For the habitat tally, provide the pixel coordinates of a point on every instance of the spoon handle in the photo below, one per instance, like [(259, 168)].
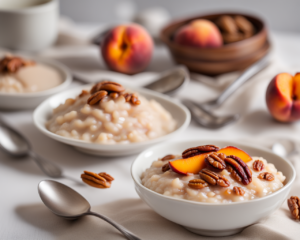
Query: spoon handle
[(123, 230), (49, 168)]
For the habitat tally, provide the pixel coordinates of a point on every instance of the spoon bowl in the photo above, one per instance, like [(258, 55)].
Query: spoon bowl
[(69, 204)]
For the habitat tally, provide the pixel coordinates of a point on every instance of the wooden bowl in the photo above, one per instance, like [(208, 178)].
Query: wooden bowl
[(220, 67), (231, 51)]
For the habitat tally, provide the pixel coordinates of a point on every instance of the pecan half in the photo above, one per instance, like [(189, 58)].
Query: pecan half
[(96, 180), (132, 98), (190, 152), (97, 86), (239, 191), (96, 97), (107, 177), (266, 176), (214, 178), (239, 169), (294, 206), (114, 95), (112, 87), (83, 93), (165, 167), (197, 184), (258, 165), (168, 157), (227, 24), (215, 161), (11, 64), (244, 25)]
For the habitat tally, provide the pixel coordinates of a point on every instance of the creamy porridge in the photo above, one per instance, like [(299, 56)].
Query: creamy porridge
[(169, 183), (23, 76), (110, 115)]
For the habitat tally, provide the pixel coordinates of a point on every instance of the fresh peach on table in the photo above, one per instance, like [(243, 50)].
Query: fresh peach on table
[(127, 48), (200, 33), (196, 163), (283, 97)]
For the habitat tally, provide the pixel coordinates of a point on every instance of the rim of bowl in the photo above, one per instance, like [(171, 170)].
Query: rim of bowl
[(165, 35), (45, 131), (61, 68), (42, 7), (216, 204)]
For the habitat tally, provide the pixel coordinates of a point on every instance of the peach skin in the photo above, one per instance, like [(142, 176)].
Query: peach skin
[(200, 33), (283, 97), (127, 49), (196, 163)]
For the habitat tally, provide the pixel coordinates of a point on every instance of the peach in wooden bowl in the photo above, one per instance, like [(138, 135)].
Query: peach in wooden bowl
[(180, 37)]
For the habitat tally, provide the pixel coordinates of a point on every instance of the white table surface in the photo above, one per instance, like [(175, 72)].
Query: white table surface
[(19, 178)]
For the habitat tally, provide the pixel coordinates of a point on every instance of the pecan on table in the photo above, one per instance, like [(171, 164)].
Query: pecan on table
[(239, 169), (266, 176), (168, 157), (190, 152), (294, 206), (132, 98), (197, 184), (239, 191), (165, 167), (215, 161), (258, 165), (101, 180), (96, 97), (214, 178)]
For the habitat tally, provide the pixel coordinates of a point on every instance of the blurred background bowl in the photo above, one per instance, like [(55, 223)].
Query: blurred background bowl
[(214, 61)]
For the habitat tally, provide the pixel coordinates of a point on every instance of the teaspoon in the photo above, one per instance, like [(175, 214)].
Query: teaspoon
[(16, 145), (285, 148), (69, 204)]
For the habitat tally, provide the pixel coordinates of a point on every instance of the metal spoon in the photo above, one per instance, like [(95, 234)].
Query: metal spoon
[(69, 204), (16, 145), (285, 148), (201, 112)]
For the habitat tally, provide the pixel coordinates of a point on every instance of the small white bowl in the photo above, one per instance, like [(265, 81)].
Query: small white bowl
[(44, 111), (211, 219), (18, 101)]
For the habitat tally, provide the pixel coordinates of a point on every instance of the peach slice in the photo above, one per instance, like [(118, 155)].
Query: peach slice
[(196, 163)]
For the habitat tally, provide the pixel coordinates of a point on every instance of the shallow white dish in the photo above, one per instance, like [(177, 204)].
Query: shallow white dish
[(211, 219), (43, 112), (18, 101)]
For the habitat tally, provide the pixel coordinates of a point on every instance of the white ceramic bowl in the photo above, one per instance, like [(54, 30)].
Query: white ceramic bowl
[(211, 219), (28, 25), (43, 112), (18, 101)]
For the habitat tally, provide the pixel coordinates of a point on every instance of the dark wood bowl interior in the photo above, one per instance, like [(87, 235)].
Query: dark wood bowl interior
[(226, 52)]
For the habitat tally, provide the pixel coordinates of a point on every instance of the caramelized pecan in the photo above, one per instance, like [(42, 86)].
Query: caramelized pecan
[(132, 98), (83, 93), (197, 184), (239, 170), (215, 161), (96, 97), (112, 87), (258, 165), (266, 176), (97, 180), (97, 86), (294, 206), (239, 191), (114, 95), (214, 178), (190, 152), (11, 64), (165, 167), (168, 157)]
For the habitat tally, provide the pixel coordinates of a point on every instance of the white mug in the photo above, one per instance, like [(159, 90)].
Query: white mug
[(28, 25)]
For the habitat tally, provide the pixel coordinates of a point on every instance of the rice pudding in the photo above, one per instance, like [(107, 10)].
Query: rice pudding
[(107, 114), (235, 181), (18, 75)]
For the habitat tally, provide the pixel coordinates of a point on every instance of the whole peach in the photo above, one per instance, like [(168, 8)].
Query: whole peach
[(127, 49), (283, 97), (200, 33)]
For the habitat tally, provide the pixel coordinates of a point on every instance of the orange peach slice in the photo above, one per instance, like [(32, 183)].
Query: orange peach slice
[(196, 163)]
